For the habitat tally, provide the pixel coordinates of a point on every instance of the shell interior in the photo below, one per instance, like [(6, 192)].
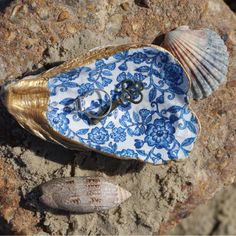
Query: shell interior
[(159, 129)]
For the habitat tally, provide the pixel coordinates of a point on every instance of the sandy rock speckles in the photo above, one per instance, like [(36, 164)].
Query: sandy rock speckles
[(214, 6), (114, 25), (38, 21), (215, 218), (171, 192), (34, 27), (78, 44), (13, 219), (43, 13), (2, 70), (34, 166), (54, 223), (8, 190)]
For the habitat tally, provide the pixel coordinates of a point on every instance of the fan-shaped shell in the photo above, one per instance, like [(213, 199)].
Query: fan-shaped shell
[(203, 55), (82, 194)]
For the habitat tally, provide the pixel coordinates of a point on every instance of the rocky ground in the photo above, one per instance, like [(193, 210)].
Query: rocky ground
[(36, 35), (217, 217)]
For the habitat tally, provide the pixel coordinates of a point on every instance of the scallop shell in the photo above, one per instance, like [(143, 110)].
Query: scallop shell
[(159, 129), (82, 194), (203, 55)]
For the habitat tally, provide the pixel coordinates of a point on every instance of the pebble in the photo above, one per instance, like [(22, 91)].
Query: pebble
[(53, 39), (10, 36), (64, 15), (115, 23), (43, 14), (18, 11), (125, 6), (71, 29), (34, 27)]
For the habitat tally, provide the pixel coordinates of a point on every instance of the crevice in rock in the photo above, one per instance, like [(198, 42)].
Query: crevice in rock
[(231, 4), (4, 4), (5, 228), (215, 228), (142, 3)]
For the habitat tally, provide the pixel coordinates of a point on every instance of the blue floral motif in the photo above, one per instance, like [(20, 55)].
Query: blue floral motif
[(164, 57), (134, 126), (138, 57), (60, 123), (159, 129), (85, 87), (99, 136), (118, 134), (127, 153), (100, 76), (173, 74), (160, 134), (156, 158)]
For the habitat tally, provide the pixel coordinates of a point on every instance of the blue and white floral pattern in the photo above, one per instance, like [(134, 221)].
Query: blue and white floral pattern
[(160, 128)]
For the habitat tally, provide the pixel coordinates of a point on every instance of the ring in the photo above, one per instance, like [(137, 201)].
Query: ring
[(81, 102)]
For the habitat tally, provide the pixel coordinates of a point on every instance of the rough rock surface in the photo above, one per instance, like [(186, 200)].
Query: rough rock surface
[(36, 35), (217, 217)]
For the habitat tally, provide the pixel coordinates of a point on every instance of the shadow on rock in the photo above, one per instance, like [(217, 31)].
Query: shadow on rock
[(31, 202), (5, 229), (159, 39), (4, 4), (142, 3), (11, 134), (42, 69), (108, 165)]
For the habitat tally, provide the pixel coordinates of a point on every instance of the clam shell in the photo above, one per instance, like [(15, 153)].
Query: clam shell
[(159, 129), (203, 55), (82, 194)]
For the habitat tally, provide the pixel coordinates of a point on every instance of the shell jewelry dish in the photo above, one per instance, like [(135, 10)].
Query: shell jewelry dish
[(204, 56), (82, 194), (156, 129)]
